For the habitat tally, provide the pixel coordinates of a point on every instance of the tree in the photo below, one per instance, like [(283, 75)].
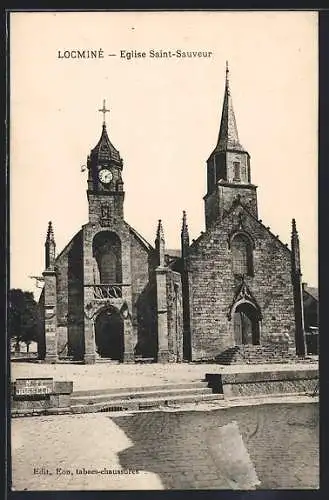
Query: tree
[(23, 317)]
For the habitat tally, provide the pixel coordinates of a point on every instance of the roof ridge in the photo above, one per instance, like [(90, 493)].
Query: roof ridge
[(140, 237)]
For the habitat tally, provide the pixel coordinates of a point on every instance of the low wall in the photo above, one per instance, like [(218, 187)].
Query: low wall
[(271, 382), (23, 356), (30, 397)]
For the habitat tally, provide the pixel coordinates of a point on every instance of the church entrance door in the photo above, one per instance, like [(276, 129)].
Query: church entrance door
[(109, 334), (246, 324)]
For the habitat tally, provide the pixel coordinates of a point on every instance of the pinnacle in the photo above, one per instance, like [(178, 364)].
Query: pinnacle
[(184, 223), (294, 228), (50, 232), (160, 231)]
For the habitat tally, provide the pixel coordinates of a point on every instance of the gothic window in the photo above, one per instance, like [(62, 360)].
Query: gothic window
[(108, 265), (242, 259), (107, 252), (236, 166)]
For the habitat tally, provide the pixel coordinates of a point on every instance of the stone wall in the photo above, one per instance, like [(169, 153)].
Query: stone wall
[(50, 315), (221, 199), (255, 354), (174, 316), (90, 230), (41, 338), (57, 401), (143, 299), (70, 299), (213, 286), (268, 382)]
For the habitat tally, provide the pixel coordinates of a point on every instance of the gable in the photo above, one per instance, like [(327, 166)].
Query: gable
[(74, 240), (140, 239), (239, 219)]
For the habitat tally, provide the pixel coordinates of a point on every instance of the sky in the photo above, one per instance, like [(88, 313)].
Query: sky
[(164, 119)]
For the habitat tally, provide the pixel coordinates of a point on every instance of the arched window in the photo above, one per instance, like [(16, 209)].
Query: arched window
[(107, 252), (108, 266), (242, 261)]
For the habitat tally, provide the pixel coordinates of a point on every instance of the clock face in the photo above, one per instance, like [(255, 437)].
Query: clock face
[(105, 176)]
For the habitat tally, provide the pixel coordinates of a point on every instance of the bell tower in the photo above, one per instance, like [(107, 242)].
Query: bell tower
[(228, 167), (105, 185), (107, 274)]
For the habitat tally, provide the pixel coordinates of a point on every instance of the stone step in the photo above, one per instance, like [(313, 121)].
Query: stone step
[(130, 390), (146, 403), (97, 398), (109, 361)]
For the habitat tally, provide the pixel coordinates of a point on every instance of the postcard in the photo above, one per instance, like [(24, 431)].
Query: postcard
[(163, 303)]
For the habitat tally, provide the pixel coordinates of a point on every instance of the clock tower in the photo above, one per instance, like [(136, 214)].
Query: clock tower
[(107, 274), (105, 186)]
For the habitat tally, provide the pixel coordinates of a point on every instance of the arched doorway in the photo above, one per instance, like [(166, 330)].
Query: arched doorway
[(109, 334), (246, 324)]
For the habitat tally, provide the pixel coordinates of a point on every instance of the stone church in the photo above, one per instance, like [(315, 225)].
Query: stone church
[(234, 293)]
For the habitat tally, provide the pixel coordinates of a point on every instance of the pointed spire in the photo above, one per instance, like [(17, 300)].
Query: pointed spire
[(50, 233), (228, 137), (294, 229), (184, 231), (160, 231), (184, 224), (50, 247), (295, 251), (160, 244)]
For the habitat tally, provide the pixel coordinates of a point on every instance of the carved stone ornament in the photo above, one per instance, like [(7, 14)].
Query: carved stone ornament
[(95, 306), (243, 294), (239, 220), (50, 312)]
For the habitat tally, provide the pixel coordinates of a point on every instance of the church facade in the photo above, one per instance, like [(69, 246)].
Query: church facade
[(233, 293)]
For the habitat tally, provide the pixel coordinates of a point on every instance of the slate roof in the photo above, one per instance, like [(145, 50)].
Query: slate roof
[(228, 138), (173, 252), (140, 238), (104, 149), (312, 291)]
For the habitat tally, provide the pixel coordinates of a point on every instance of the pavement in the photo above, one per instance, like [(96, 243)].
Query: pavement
[(105, 376), (264, 442), (242, 447)]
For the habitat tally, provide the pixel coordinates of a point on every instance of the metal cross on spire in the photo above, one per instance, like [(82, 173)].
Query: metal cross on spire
[(104, 111)]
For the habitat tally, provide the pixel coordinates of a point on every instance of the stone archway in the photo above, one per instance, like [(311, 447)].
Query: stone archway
[(109, 334), (246, 324)]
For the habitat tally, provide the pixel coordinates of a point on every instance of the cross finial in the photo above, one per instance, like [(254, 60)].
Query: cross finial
[(104, 111)]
